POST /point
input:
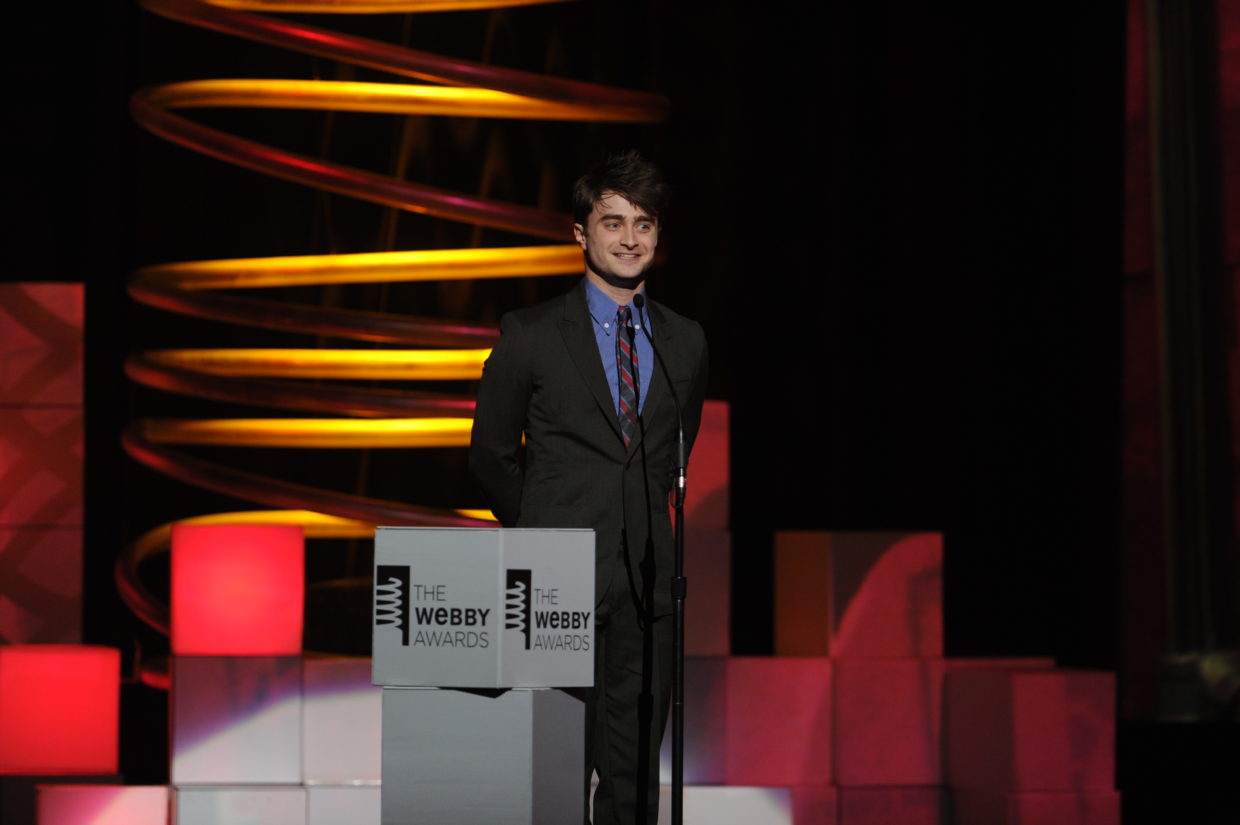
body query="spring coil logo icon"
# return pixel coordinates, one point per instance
(391, 589)
(517, 603)
(310, 381)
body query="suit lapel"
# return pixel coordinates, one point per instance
(578, 334)
(664, 335)
(658, 384)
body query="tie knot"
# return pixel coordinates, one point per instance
(624, 315)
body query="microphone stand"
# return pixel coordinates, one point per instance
(679, 588)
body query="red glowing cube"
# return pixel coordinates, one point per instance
(237, 590)
(59, 709)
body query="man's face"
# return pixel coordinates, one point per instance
(619, 241)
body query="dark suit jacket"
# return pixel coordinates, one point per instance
(545, 380)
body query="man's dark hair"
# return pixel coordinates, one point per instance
(629, 175)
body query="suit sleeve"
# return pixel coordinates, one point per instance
(499, 423)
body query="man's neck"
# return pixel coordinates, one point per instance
(621, 295)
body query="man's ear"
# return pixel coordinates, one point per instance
(579, 233)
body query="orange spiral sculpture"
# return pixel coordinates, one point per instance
(291, 379)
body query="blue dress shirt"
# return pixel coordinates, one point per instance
(603, 310)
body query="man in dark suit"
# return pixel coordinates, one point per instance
(577, 378)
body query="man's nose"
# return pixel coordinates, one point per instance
(629, 238)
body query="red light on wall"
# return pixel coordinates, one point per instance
(237, 590)
(59, 708)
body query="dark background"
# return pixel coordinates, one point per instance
(901, 226)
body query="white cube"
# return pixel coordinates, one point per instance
(342, 718)
(334, 805)
(271, 805)
(236, 720)
(734, 805)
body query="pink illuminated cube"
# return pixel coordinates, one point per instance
(815, 804)
(778, 721)
(859, 595)
(706, 707)
(103, 805)
(977, 807)
(237, 590)
(59, 707)
(708, 605)
(802, 594)
(887, 806)
(886, 722)
(706, 502)
(1030, 730)
(888, 717)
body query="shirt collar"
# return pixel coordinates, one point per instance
(603, 309)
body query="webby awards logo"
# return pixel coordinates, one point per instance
(533, 612)
(425, 613)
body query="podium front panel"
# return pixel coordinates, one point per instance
(479, 608)
(435, 607)
(548, 592)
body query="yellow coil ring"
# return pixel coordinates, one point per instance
(383, 364)
(294, 379)
(364, 268)
(312, 433)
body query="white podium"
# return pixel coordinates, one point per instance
(474, 633)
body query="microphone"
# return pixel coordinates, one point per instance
(682, 460)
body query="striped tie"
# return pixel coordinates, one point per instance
(626, 362)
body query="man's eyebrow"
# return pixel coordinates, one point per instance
(636, 218)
